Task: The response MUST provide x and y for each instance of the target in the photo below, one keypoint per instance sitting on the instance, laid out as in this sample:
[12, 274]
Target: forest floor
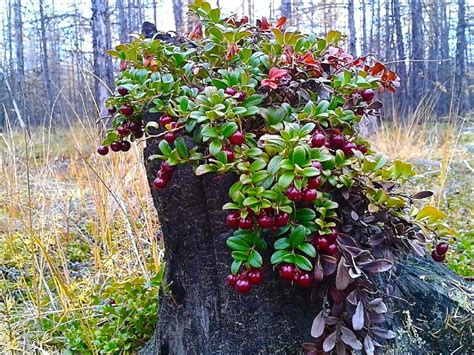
[80, 264]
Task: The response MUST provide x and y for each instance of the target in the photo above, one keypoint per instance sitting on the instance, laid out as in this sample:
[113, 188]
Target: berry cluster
[326, 243]
[163, 176]
[130, 129]
[243, 281]
[291, 273]
[169, 123]
[267, 219]
[333, 139]
[439, 253]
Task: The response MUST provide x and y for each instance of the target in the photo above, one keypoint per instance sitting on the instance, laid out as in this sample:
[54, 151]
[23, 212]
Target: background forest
[80, 260]
[48, 46]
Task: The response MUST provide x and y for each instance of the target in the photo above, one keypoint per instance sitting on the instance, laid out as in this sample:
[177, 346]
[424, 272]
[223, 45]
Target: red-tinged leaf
[358, 317]
[277, 73]
[342, 276]
[337, 296]
[422, 194]
[380, 265]
[307, 347]
[352, 297]
[318, 271]
[332, 320]
[281, 21]
[329, 264]
[377, 239]
[420, 237]
[264, 24]
[329, 342]
[349, 338]
[319, 323]
[376, 318]
[340, 348]
[417, 248]
[382, 333]
[377, 68]
[375, 105]
[346, 240]
[369, 345]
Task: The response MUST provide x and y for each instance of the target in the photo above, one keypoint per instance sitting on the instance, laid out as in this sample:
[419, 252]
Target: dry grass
[60, 202]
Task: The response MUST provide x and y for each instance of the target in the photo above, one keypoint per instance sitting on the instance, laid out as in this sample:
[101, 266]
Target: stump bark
[200, 314]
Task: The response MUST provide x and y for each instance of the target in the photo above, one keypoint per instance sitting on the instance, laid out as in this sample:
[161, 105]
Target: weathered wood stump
[200, 314]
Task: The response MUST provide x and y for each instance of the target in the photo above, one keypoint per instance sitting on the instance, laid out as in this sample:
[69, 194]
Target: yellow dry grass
[55, 190]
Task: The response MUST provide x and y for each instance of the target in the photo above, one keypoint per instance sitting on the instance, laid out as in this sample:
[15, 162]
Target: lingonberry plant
[281, 110]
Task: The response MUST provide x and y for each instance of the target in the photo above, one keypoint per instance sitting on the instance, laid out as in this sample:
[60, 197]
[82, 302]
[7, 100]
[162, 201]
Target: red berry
[123, 130]
[331, 249]
[126, 110]
[159, 183]
[321, 243]
[245, 223]
[293, 194]
[138, 134]
[368, 95]
[347, 148]
[165, 120]
[230, 91]
[125, 146]
[437, 257]
[237, 138]
[287, 272]
[281, 219]
[265, 221]
[241, 96]
[331, 237]
[230, 155]
[233, 220]
[116, 146]
[232, 280]
[317, 165]
[122, 91]
[442, 248]
[135, 126]
[314, 182]
[103, 150]
[243, 286]
[112, 110]
[170, 137]
[305, 279]
[164, 175]
[362, 148]
[318, 140]
[174, 125]
[337, 141]
[255, 276]
[310, 195]
[167, 168]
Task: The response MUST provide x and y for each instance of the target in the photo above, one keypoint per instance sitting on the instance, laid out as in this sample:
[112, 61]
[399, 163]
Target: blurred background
[47, 46]
[80, 247]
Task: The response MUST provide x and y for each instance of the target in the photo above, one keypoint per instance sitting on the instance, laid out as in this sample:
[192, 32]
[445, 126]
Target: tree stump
[200, 314]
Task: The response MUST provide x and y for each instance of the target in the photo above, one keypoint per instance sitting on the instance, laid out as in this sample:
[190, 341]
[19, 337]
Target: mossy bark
[199, 314]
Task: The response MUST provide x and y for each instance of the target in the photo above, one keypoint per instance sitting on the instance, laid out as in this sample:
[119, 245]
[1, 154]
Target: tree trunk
[352, 34]
[20, 59]
[461, 50]
[101, 43]
[417, 53]
[401, 66]
[200, 314]
[45, 60]
[178, 15]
